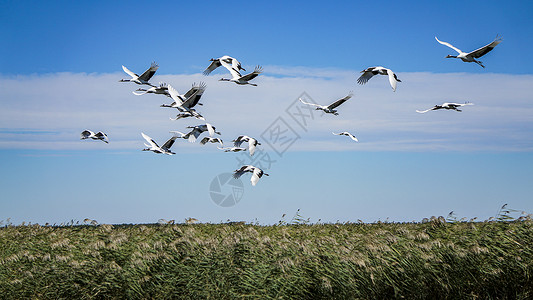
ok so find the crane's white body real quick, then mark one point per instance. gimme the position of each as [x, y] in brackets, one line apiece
[329, 109]
[87, 134]
[372, 71]
[447, 106]
[154, 147]
[209, 139]
[232, 149]
[185, 103]
[346, 133]
[188, 115]
[256, 173]
[143, 78]
[252, 143]
[197, 131]
[162, 89]
[217, 62]
[241, 79]
[471, 56]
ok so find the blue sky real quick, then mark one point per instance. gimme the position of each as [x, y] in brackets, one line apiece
[60, 63]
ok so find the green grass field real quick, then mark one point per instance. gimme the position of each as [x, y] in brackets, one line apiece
[432, 260]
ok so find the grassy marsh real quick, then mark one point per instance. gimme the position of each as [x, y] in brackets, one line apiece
[434, 259]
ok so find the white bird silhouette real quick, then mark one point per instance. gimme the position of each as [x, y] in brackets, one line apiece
[232, 149]
[216, 62]
[370, 72]
[185, 103]
[256, 173]
[190, 99]
[86, 134]
[346, 133]
[162, 89]
[209, 139]
[330, 109]
[471, 56]
[196, 131]
[152, 145]
[188, 115]
[446, 105]
[144, 78]
[252, 143]
[238, 78]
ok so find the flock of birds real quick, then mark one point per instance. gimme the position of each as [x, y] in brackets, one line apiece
[186, 103]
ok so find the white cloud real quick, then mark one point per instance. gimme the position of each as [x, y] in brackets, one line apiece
[49, 111]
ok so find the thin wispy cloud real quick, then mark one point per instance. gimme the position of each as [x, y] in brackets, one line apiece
[49, 111]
